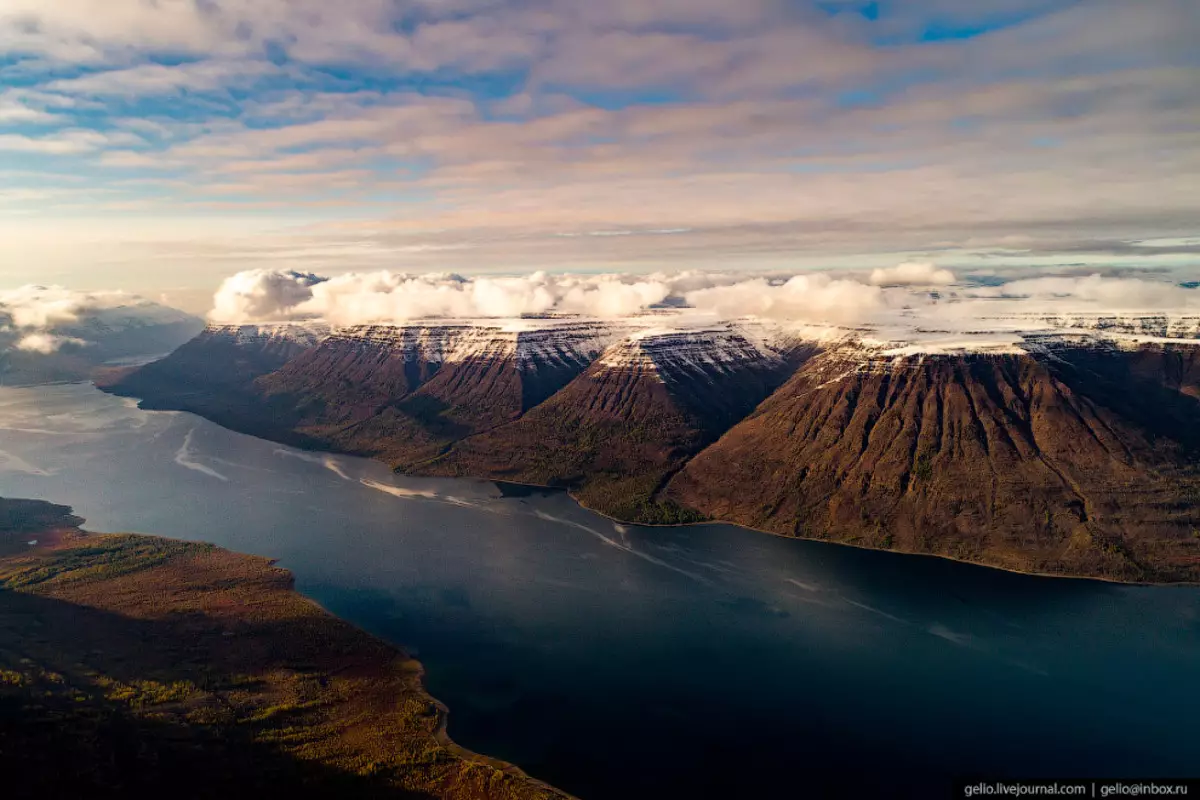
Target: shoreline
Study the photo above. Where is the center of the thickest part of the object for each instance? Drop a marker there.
(123, 576)
(714, 522)
(441, 734)
(952, 559)
(570, 493)
(865, 548)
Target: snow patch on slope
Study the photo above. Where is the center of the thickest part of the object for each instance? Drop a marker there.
(528, 342)
(706, 349)
(679, 340)
(305, 334)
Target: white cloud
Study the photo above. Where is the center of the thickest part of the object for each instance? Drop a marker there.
(43, 319)
(912, 274)
(383, 297)
(154, 79)
(46, 306)
(817, 298)
(613, 296)
(813, 298)
(56, 146)
(261, 294)
(47, 343)
(14, 112)
(66, 142)
(1099, 291)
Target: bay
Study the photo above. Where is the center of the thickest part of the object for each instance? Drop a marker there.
(617, 661)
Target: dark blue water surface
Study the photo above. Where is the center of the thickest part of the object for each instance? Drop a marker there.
(624, 662)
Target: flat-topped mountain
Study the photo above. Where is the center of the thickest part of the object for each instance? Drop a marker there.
(213, 375)
(1060, 445)
(1080, 462)
(622, 428)
(405, 393)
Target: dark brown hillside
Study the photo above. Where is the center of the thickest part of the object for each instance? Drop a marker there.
(484, 391)
(349, 375)
(406, 394)
(218, 358)
(213, 375)
(1079, 462)
(1175, 367)
(400, 394)
(460, 399)
(1080, 457)
(618, 432)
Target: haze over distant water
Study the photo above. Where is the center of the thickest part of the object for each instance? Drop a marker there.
(706, 661)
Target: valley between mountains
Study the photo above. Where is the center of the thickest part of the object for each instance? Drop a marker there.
(1064, 446)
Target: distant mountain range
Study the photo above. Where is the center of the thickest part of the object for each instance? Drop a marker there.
(1062, 444)
(69, 350)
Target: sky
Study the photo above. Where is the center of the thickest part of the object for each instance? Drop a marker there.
(160, 146)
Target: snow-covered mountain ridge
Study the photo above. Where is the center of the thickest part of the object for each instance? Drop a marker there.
(673, 340)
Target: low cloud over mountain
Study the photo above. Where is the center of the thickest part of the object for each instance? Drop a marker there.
(1041, 424)
(54, 333)
(912, 274)
(919, 292)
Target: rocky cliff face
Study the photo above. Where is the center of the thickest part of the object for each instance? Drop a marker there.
(1079, 460)
(213, 375)
(406, 393)
(1068, 450)
(622, 428)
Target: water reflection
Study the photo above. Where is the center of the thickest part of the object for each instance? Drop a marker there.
(624, 662)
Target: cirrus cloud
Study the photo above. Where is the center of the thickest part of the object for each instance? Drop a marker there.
(767, 130)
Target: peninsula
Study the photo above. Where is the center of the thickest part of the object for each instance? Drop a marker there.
(131, 664)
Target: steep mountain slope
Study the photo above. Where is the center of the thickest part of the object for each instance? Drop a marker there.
(1077, 457)
(1066, 450)
(404, 394)
(213, 375)
(224, 357)
(617, 432)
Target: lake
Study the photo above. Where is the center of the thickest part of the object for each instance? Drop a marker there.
(624, 662)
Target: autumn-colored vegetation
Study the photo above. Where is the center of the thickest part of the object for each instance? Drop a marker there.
(131, 664)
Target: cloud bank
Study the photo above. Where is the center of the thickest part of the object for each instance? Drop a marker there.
(261, 294)
(819, 297)
(912, 274)
(47, 343)
(45, 319)
(1098, 291)
(387, 297)
(912, 290)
